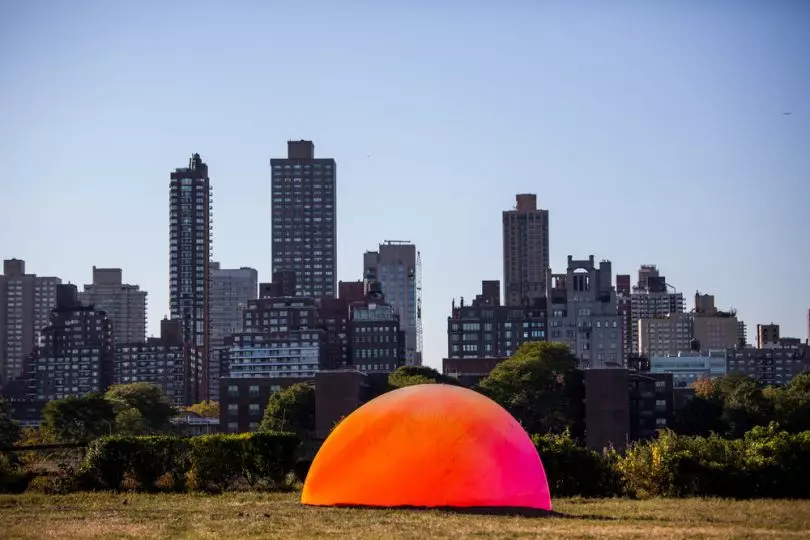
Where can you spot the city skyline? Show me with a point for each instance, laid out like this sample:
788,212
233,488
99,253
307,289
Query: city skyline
668,146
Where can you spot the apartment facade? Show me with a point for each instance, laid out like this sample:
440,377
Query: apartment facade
166,361
231,290
688,367
665,335
397,266
26,301
377,343
776,364
77,351
124,304
304,227
485,329
525,251
651,297
583,313
190,221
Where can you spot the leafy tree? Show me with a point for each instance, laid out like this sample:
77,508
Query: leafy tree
291,409
791,403
9,429
536,385
78,419
206,409
148,400
412,375
130,421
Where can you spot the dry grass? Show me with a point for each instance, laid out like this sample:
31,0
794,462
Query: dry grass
254,515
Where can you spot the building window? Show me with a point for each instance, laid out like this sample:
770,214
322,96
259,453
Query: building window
233,409
233,391
253,391
254,409
233,426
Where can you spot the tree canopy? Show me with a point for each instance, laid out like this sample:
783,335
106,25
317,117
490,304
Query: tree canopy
734,404
412,375
78,419
143,400
206,409
537,385
291,409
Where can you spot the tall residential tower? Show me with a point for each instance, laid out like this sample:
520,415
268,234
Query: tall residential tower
190,254
124,304
304,225
26,301
525,251
397,267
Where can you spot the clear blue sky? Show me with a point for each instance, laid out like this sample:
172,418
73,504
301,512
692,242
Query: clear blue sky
653,132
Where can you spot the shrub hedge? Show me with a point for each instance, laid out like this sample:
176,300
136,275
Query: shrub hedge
767,462
210,463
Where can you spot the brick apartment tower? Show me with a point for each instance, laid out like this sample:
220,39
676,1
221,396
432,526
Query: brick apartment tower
190,255
304,224
525,251
26,301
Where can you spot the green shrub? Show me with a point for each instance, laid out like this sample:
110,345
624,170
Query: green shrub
13,479
765,463
572,470
263,460
144,458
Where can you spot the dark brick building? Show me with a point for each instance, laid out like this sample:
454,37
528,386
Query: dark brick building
377,344
486,329
77,351
304,225
168,361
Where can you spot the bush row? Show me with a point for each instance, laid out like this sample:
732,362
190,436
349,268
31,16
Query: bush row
210,463
767,462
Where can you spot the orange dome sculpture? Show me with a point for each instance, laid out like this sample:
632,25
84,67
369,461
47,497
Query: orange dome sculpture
429,445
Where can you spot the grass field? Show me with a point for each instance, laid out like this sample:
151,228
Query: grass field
261,515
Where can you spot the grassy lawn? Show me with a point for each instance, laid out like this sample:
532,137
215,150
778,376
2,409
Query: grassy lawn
261,515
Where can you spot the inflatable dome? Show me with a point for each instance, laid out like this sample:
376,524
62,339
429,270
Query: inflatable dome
429,445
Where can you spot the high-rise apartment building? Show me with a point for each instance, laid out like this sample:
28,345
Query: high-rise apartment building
397,267
712,328
124,304
190,254
26,301
624,306
77,351
304,226
582,312
231,289
377,343
525,251
166,361
665,335
650,298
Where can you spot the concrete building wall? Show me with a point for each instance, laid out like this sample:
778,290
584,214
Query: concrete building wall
395,266
124,304
231,289
665,335
583,313
716,332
